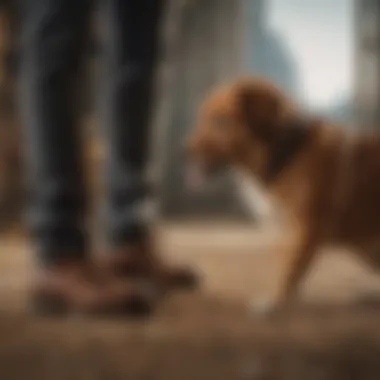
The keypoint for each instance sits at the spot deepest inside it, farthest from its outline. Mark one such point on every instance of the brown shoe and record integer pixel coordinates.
(142, 261)
(80, 288)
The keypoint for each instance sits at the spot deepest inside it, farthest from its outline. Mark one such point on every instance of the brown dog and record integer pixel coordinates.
(327, 179)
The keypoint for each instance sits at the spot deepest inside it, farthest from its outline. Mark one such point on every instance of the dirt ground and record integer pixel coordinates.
(332, 333)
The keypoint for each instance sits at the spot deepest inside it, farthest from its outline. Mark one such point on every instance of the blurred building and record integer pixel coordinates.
(367, 74)
(267, 52)
(208, 51)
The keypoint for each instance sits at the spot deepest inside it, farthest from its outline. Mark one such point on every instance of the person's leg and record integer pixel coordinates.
(133, 47)
(52, 41)
(131, 56)
(53, 32)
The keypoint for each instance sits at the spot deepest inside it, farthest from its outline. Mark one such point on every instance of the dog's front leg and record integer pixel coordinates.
(297, 262)
(297, 259)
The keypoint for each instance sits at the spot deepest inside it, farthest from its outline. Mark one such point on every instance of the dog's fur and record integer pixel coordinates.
(327, 179)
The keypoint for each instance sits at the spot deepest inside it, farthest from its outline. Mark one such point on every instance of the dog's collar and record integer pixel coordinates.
(287, 148)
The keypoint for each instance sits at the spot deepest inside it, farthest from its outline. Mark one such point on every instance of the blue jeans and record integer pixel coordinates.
(53, 43)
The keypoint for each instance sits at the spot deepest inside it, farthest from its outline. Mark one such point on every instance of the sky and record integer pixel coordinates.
(320, 35)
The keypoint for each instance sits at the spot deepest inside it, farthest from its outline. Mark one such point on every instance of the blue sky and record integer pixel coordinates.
(320, 35)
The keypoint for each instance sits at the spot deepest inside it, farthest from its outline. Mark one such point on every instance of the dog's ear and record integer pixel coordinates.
(260, 108)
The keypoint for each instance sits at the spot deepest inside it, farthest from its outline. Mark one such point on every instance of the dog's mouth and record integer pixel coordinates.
(198, 175)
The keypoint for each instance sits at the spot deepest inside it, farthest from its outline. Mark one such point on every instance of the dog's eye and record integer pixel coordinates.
(222, 122)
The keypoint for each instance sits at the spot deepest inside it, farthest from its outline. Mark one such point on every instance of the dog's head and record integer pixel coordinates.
(239, 125)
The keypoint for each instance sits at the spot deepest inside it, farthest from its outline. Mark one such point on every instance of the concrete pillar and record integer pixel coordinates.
(367, 62)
